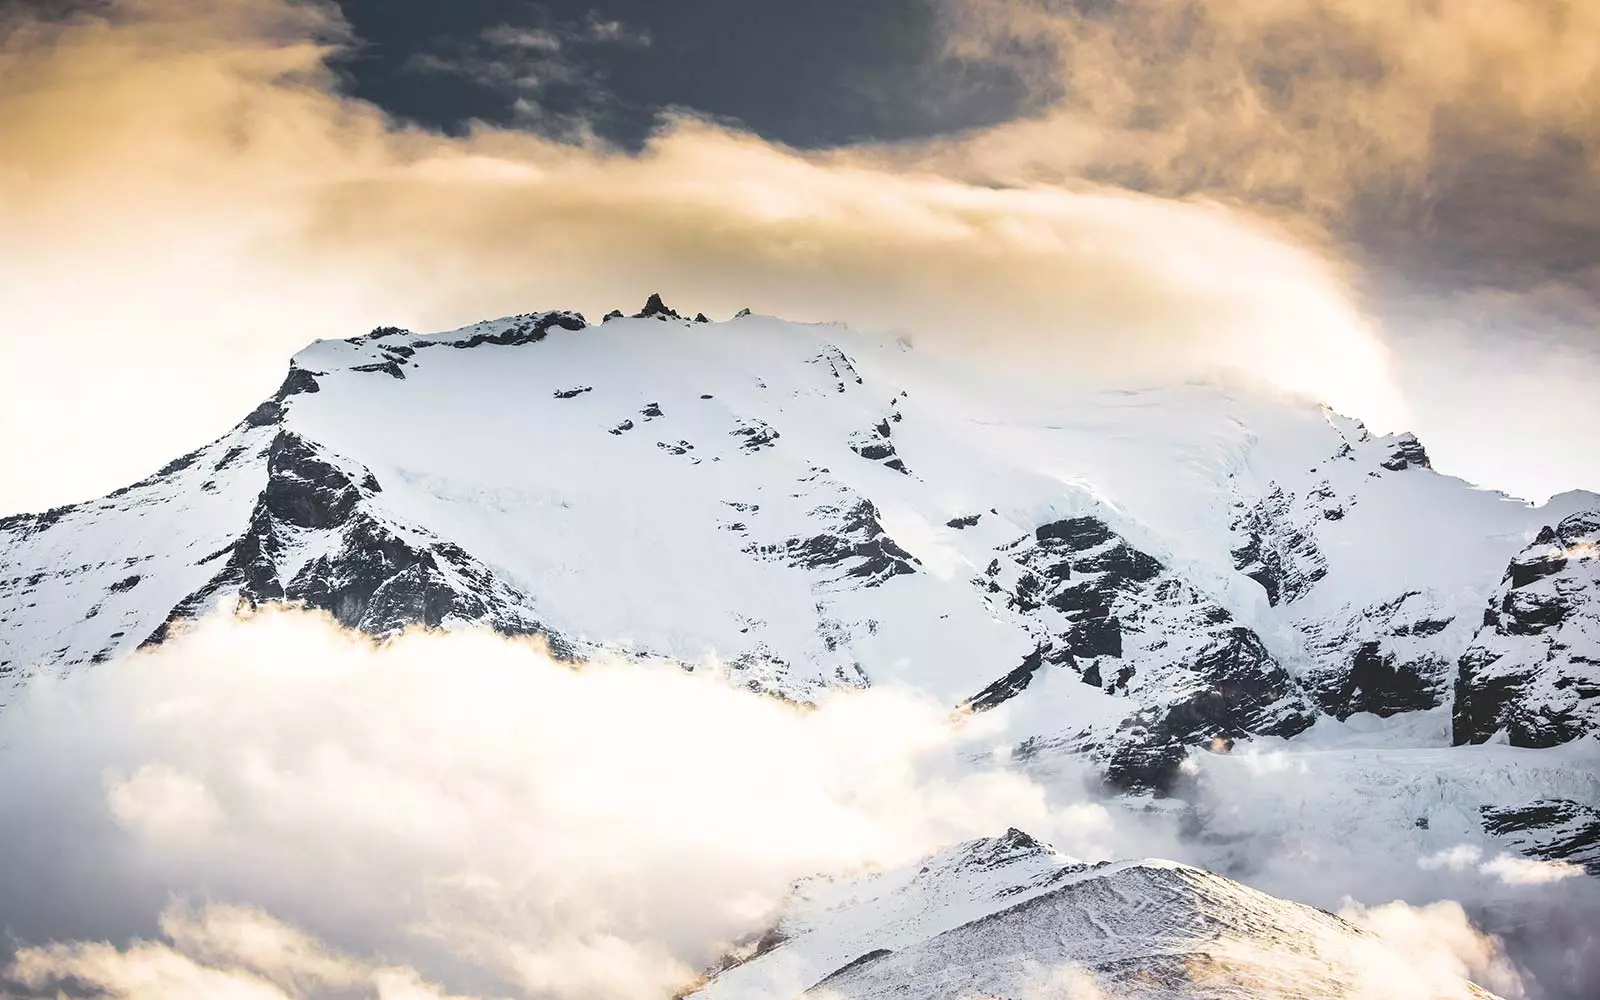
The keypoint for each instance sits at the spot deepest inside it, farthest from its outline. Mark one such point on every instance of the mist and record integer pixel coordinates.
(268, 806)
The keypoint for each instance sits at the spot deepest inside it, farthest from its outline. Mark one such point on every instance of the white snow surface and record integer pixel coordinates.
(1009, 917)
(668, 537)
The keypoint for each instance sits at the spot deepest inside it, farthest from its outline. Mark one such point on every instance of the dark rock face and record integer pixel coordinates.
(856, 544)
(303, 489)
(371, 577)
(1533, 669)
(1376, 683)
(755, 435)
(297, 381)
(1276, 552)
(390, 368)
(654, 308)
(875, 445)
(266, 414)
(1551, 830)
(1380, 661)
(1132, 628)
(528, 329)
(1407, 453)
(1008, 686)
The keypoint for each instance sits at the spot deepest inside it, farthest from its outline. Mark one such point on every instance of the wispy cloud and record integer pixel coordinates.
(190, 163)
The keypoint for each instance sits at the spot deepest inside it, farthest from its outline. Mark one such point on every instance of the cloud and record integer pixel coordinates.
(222, 953)
(1509, 869)
(1441, 948)
(535, 65)
(458, 814)
(1450, 150)
(1349, 111)
(188, 197)
(497, 818)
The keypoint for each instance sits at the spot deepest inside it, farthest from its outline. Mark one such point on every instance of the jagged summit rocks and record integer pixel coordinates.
(654, 308)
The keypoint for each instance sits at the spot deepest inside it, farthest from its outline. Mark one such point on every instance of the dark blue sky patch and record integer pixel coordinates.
(810, 74)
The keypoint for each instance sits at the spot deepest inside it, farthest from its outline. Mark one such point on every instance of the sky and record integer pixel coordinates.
(1390, 206)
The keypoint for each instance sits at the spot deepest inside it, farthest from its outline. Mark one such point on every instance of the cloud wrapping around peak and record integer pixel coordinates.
(188, 197)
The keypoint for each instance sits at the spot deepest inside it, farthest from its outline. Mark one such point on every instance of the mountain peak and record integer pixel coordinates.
(1233, 567)
(654, 308)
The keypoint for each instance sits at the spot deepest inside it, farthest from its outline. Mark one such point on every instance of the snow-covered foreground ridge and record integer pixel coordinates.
(1010, 917)
(1133, 573)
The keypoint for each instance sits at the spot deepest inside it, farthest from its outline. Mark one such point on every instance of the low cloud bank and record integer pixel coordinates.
(463, 800)
(312, 815)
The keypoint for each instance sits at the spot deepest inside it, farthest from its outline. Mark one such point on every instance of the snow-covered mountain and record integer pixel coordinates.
(1010, 917)
(1131, 574)
(1140, 571)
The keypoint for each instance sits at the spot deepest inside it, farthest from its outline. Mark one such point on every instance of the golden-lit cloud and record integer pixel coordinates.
(1310, 104)
(186, 197)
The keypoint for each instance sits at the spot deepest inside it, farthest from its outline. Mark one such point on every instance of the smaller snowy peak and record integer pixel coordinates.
(1533, 669)
(830, 923)
(1008, 917)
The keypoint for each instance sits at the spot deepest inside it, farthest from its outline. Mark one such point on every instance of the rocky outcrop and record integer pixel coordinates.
(1384, 659)
(1132, 628)
(856, 546)
(755, 435)
(1405, 452)
(369, 572)
(1276, 550)
(529, 328)
(1551, 830)
(654, 308)
(1533, 669)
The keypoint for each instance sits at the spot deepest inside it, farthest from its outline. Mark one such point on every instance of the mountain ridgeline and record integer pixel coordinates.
(1129, 574)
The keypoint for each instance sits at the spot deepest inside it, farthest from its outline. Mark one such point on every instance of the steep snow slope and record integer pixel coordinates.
(1132, 572)
(1009, 917)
